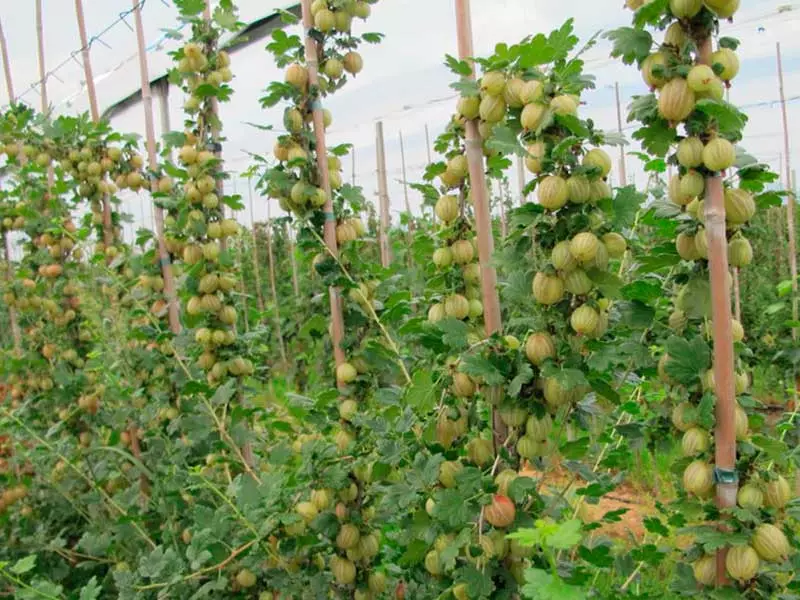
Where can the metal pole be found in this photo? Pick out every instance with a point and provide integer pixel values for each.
(150, 136)
(383, 197)
(477, 176)
(501, 202)
(791, 200)
(353, 166)
(737, 295)
(725, 433)
(312, 52)
(623, 177)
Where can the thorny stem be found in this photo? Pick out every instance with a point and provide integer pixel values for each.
(82, 475)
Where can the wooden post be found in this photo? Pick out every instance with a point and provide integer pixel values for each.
(501, 202)
(16, 333)
(312, 52)
(353, 166)
(256, 273)
(12, 98)
(428, 144)
(483, 223)
(383, 197)
(108, 227)
(521, 180)
(274, 287)
(405, 183)
(623, 176)
(150, 136)
(725, 433)
(791, 200)
(42, 72)
(292, 260)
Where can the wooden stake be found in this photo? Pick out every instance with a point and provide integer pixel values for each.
(428, 144)
(521, 180)
(383, 197)
(293, 261)
(623, 176)
(353, 166)
(256, 270)
(312, 52)
(16, 333)
(12, 98)
(725, 433)
(274, 287)
(791, 200)
(45, 105)
(501, 201)
(108, 227)
(405, 184)
(158, 213)
(483, 223)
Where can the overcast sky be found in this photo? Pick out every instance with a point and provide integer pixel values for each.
(404, 82)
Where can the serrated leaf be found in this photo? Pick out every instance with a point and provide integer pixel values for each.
(687, 359)
(23, 565)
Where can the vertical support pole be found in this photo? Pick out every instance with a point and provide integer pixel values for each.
(40, 44)
(623, 176)
(383, 196)
(428, 144)
(158, 213)
(273, 286)
(791, 200)
(353, 166)
(405, 183)
(293, 261)
(256, 271)
(501, 202)
(6, 66)
(108, 227)
(737, 295)
(311, 48)
(16, 334)
(725, 433)
(521, 180)
(477, 177)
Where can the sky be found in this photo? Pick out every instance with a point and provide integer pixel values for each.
(404, 84)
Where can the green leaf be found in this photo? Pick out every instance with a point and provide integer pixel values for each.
(23, 565)
(479, 582)
(774, 448)
(687, 359)
(730, 119)
(576, 449)
(644, 291)
(523, 377)
(505, 140)
(459, 67)
(452, 508)
(91, 591)
(421, 394)
(466, 87)
(608, 283)
(632, 45)
(482, 369)
(454, 333)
